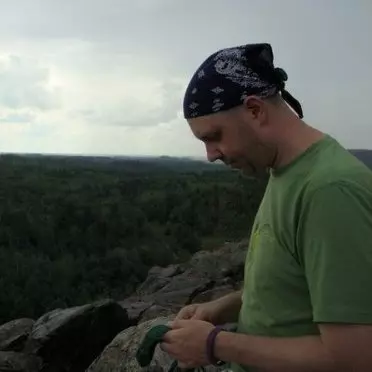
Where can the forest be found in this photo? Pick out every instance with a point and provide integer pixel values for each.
(77, 229)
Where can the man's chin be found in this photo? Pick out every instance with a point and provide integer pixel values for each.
(246, 170)
(250, 171)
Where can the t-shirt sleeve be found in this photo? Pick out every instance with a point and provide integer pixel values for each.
(335, 247)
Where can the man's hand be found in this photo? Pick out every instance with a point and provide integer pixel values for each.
(222, 310)
(186, 342)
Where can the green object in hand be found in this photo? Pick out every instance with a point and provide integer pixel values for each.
(147, 347)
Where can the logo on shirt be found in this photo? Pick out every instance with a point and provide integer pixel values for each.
(262, 233)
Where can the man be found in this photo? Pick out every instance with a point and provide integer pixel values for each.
(306, 304)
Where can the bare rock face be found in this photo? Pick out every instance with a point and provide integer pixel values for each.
(158, 277)
(227, 261)
(13, 334)
(120, 354)
(213, 294)
(208, 275)
(136, 307)
(158, 311)
(11, 361)
(70, 339)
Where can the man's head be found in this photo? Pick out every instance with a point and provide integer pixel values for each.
(233, 104)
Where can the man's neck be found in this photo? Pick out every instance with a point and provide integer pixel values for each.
(295, 140)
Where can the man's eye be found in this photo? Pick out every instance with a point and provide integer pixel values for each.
(212, 137)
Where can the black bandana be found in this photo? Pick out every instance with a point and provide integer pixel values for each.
(226, 77)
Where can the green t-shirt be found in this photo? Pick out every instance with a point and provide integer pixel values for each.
(310, 253)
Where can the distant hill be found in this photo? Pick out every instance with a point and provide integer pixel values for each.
(129, 164)
(136, 164)
(364, 155)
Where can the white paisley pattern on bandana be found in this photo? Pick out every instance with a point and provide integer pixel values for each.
(229, 62)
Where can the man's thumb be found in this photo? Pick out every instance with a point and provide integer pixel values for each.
(177, 323)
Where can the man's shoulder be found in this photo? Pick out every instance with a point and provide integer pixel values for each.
(338, 167)
(352, 188)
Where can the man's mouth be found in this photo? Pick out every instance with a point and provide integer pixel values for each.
(232, 164)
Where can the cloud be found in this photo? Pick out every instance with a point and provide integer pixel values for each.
(25, 117)
(25, 84)
(89, 76)
(141, 106)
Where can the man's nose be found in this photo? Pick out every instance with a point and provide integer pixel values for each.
(213, 154)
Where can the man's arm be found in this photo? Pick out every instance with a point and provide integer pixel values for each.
(228, 307)
(340, 348)
(300, 354)
(350, 345)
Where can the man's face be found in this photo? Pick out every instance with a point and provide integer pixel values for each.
(236, 138)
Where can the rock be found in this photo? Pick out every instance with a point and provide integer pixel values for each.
(70, 339)
(213, 294)
(135, 308)
(216, 265)
(157, 278)
(181, 296)
(174, 296)
(14, 334)
(119, 355)
(185, 282)
(11, 361)
(208, 275)
(151, 285)
(166, 272)
(158, 311)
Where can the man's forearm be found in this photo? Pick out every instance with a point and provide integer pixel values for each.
(268, 354)
(229, 305)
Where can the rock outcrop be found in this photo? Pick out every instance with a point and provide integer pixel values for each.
(104, 336)
(12, 361)
(70, 339)
(208, 275)
(119, 356)
(14, 334)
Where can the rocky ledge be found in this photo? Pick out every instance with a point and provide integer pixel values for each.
(104, 336)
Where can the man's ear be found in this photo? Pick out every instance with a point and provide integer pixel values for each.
(256, 108)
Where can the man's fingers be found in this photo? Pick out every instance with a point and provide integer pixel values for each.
(183, 316)
(183, 366)
(163, 346)
(185, 313)
(167, 337)
(178, 323)
(197, 316)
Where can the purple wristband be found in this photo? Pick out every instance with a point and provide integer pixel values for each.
(210, 346)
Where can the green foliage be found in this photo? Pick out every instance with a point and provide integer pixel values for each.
(73, 230)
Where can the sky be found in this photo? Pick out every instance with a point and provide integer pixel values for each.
(108, 76)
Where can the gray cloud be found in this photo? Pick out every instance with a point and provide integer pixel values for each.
(24, 84)
(119, 64)
(136, 111)
(17, 118)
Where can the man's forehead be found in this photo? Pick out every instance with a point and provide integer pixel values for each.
(203, 125)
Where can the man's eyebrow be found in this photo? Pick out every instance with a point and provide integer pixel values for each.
(205, 136)
(211, 135)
